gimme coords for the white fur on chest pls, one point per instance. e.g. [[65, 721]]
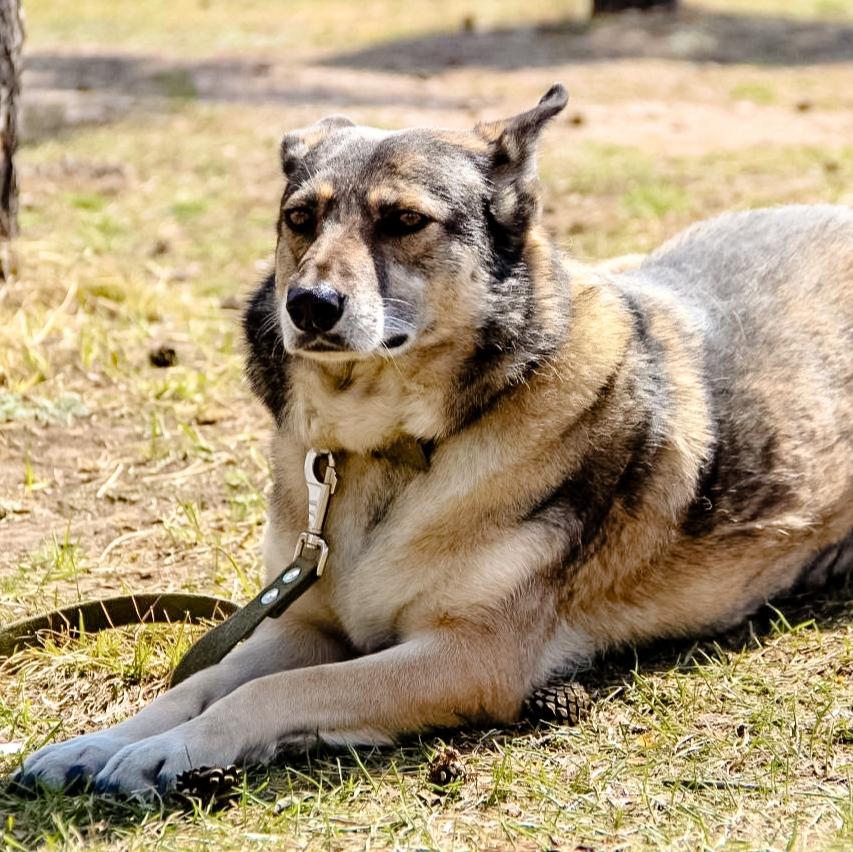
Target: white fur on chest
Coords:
[[384, 585]]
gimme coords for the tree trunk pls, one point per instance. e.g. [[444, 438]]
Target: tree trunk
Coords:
[[11, 39], [605, 7]]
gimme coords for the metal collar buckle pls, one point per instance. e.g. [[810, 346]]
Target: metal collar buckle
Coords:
[[319, 492]]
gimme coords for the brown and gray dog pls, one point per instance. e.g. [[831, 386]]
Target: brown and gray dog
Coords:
[[613, 457]]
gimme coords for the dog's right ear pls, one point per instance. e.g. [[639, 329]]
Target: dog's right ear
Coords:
[[296, 144], [512, 162]]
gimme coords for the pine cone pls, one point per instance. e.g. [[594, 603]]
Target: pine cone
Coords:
[[446, 767], [560, 703], [210, 783]]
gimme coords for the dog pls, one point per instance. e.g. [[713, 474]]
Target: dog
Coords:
[[613, 457]]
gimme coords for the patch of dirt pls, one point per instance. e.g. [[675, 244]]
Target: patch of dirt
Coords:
[[102, 516]]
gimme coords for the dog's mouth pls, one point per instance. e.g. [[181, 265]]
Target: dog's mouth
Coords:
[[334, 346], [327, 347], [323, 343]]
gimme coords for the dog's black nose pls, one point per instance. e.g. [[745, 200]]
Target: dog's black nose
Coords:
[[316, 309]]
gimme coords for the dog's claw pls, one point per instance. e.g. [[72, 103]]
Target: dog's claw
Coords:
[[104, 787]]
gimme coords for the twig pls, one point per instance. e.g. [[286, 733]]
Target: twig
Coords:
[[117, 542]]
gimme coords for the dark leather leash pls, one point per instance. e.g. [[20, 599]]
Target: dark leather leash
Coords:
[[92, 616], [291, 583]]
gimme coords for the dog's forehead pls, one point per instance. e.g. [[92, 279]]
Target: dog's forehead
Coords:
[[357, 158]]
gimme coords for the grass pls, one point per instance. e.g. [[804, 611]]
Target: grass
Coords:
[[701, 746], [755, 92], [116, 475], [197, 27]]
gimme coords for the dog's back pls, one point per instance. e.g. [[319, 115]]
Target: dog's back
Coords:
[[771, 294]]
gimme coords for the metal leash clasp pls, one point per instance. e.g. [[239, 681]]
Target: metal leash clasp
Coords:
[[319, 492]]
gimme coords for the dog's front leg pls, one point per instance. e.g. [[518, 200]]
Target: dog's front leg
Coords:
[[437, 680], [275, 646]]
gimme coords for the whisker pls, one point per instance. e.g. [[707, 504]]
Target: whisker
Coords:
[[396, 325]]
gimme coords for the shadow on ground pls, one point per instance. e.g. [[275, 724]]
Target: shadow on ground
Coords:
[[223, 80], [825, 610], [689, 36], [63, 91]]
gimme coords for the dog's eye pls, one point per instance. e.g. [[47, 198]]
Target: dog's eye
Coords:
[[398, 223], [299, 219]]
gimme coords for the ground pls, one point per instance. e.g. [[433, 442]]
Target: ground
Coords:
[[149, 191]]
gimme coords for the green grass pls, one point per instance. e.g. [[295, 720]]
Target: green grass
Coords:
[[755, 92], [604, 200], [116, 475], [194, 27], [701, 746]]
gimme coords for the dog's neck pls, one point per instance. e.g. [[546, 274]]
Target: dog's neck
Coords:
[[366, 406]]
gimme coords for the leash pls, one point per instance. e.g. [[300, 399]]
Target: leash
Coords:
[[306, 568], [102, 614]]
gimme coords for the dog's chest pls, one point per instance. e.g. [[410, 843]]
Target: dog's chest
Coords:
[[372, 576], [411, 549]]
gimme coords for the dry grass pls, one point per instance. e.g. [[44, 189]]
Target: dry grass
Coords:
[[114, 474]]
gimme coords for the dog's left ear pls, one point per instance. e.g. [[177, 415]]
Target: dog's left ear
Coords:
[[297, 143], [512, 143]]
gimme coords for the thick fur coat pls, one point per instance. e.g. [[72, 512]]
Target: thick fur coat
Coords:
[[613, 456]]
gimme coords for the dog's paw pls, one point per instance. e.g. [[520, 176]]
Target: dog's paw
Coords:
[[69, 765], [150, 767]]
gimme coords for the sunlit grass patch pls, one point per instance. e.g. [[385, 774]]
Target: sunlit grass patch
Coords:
[[62, 409], [699, 745], [756, 92], [607, 200], [652, 200], [806, 9]]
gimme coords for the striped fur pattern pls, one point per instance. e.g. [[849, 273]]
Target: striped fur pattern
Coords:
[[619, 454]]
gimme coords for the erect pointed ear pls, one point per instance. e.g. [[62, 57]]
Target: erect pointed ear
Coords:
[[512, 143], [297, 143]]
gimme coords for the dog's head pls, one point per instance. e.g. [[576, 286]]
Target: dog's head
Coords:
[[390, 241]]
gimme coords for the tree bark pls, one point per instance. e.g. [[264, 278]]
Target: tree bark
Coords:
[[606, 7], [11, 39]]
